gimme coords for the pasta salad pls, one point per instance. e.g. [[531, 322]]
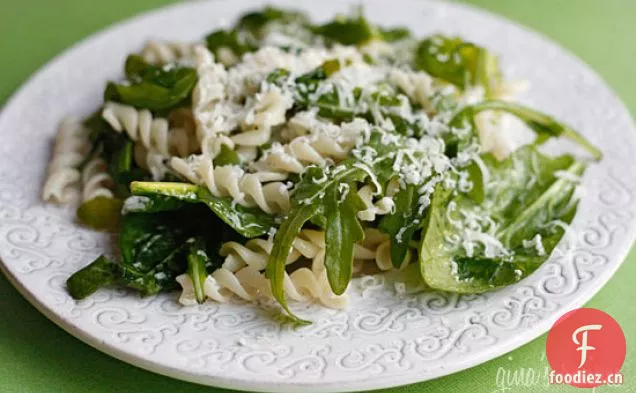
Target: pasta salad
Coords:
[[280, 158]]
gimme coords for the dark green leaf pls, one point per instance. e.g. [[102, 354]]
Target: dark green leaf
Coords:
[[151, 204], [226, 156], [347, 31], [122, 168], [101, 213], [157, 88], [256, 20], [285, 236], [402, 224], [394, 34], [99, 273], [135, 67], [461, 63], [197, 261], [249, 222], [342, 232], [229, 39], [545, 126], [147, 239], [523, 199]]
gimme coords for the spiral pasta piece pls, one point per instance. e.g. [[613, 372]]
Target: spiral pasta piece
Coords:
[[152, 133], [267, 111], [376, 247], [96, 181], [312, 142], [241, 275], [150, 161], [249, 284], [262, 189], [309, 244], [166, 52], [70, 148]]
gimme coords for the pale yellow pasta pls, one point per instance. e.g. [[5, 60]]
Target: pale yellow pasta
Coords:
[[241, 274], [166, 52], [249, 284], [153, 133], [376, 247], [213, 112], [262, 189], [311, 142], [309, 244], [150, 161], [382, 206], [417, 85], [268, 110], [96, 182], [69, 151]]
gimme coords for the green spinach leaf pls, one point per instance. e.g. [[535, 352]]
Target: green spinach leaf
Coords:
[[99, 273], [347, 31], [249, 222], [461, 63], [471, 247], [154, 88]]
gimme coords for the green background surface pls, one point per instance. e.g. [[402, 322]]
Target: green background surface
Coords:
[[37, 356]]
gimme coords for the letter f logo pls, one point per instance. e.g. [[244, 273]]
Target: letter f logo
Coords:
[[583, 344]]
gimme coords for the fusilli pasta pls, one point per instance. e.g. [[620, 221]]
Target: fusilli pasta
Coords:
[[153, 133], [312, 142], [63, 174], [309, 244], [240, 274], [262, 189], [95, 180], [249, 284], [376, 247], [162, 52]]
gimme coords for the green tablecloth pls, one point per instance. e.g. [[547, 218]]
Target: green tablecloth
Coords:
[[37, 356]]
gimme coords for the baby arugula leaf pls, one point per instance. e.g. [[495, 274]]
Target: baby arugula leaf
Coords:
[[283, 240], [524, 198], [402, 224], [342, 232], [309, 200], [197, 261], [249, 222]]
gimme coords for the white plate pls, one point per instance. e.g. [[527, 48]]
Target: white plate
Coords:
[[382, 339]]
